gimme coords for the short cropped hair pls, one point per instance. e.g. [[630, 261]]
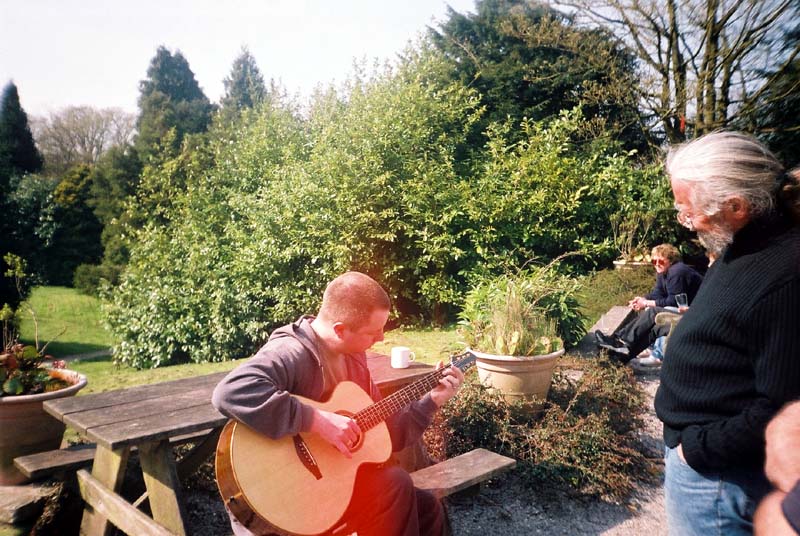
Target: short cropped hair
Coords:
[[352, 297], [667, 251]]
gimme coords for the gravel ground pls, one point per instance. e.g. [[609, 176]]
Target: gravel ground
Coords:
[[505, 507]]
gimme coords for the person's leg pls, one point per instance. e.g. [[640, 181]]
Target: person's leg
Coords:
[[741, 492], [690, 498], [636, 334], [708, 504], [385, 502], [431, 515]]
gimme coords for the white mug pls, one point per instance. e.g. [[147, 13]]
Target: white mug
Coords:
[[402, 356]]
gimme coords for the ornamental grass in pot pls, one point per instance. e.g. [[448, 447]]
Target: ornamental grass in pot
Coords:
[[515, 325]]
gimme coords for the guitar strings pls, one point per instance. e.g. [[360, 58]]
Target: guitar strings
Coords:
[[374, 414]]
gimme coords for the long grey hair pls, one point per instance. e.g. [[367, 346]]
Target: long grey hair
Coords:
[[722, 165]]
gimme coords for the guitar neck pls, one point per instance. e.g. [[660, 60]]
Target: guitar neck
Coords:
[[376, 413]]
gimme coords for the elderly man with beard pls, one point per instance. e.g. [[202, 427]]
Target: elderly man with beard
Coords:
[[734, 358]]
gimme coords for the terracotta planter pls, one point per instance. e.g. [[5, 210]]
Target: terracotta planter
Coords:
[[518, 378], [25, 428]]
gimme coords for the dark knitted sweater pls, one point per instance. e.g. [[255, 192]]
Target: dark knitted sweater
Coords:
[[734, 358]]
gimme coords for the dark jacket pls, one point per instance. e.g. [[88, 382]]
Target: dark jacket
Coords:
[[734, 358], [678, 279]]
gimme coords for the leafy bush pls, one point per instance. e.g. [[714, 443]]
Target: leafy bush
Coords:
[[240, 231], [584, 439], [553, 192]]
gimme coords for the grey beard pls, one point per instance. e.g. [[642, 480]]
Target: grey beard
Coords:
[[717, 240]]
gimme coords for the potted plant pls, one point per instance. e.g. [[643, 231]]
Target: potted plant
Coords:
[[511, 325], [25, 383], [631, 231]]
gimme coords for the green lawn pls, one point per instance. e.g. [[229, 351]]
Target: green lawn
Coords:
[[69, 317]]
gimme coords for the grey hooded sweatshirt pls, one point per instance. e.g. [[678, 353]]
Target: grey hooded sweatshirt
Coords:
[[257, 392]]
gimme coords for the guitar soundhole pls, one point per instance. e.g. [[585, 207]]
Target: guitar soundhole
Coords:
[[360, 438]]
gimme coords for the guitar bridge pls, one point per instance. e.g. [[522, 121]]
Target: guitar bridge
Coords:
[[306, 458]]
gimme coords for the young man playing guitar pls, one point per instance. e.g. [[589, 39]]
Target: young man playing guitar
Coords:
[[307, 360]]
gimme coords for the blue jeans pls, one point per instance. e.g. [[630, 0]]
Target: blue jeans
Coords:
[[711, 504]]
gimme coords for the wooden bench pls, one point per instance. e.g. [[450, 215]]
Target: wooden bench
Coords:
[[60, 462], [462, 472]]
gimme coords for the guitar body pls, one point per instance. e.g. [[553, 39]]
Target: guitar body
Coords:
[[266, 485]]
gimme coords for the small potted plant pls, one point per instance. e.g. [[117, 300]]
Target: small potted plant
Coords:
[[28, 377], [510, 325]]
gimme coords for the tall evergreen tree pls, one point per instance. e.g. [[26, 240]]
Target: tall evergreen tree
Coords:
[[170, 98], [244, 87], [529, 60], [114, 179], [18, 155], [18, 152]]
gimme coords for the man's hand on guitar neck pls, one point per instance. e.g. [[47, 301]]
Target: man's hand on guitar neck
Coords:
[[448, 385], [340, 431]]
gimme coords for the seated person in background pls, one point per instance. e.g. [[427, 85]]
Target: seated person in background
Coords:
[[309, 358], [778, 513], [673, 277], [653, 356]]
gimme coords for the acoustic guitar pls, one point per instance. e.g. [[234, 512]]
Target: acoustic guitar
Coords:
[[302, 484]]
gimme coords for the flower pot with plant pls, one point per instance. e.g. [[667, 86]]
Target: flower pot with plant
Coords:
[[26, 382], [509, 326]]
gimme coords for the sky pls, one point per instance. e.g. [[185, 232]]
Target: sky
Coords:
[[94, 52]]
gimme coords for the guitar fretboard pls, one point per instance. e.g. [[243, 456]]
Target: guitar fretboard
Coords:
[[371, 416]]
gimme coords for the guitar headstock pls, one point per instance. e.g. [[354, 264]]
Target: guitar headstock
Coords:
[[464, 360]]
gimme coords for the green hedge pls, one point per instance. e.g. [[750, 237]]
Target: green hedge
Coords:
[[243, 231]]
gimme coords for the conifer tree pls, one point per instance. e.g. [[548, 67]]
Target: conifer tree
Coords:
[[170, 98], [18, 155], [245, 87]]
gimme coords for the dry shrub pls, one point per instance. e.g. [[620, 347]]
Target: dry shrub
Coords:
[[582, 441]]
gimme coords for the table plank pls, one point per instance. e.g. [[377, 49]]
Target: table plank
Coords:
[[390, 379], [64, 406], [156, 427], [83, 421]]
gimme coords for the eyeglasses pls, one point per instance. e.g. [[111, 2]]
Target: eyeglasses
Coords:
[[659, 261], [684, 218]]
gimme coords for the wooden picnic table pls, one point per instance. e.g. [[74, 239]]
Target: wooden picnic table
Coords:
[[148, 418]]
